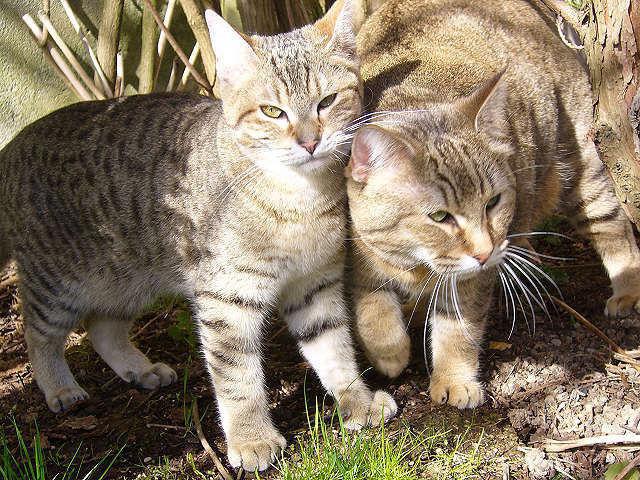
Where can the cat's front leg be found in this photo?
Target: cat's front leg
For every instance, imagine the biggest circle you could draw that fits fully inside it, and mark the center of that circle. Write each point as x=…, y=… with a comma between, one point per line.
x=315, y=312
x=457, y=330
x=231, y=325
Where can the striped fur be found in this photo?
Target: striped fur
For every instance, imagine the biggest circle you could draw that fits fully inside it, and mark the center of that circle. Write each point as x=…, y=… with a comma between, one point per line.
x=106, y=205
x=463, y=133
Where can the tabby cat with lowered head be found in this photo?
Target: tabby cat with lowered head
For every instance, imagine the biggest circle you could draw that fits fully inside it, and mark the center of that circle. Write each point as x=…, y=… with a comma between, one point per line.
x=490, y=134
x=238, y=205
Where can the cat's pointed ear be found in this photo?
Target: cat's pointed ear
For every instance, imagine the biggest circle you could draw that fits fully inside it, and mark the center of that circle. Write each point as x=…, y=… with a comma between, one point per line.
x=235, y=59
x=342, y=23
x=486, y=107
x=372, y=148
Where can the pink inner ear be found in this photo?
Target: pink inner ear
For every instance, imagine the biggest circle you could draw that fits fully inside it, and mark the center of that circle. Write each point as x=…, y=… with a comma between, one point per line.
x=360, y=157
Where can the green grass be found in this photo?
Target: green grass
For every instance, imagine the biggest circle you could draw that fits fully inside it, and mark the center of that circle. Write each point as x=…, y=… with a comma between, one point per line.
x=30, y=462
x=329, y=452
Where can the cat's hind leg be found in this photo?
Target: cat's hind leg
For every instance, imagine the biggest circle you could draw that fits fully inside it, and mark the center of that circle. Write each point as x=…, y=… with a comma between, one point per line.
x=47, y=327
x=316, y=316
x=382, y=330
x=597, y=214
x=110, y=339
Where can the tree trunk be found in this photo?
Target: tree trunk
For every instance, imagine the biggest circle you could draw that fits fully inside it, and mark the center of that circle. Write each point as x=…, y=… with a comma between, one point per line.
x=611, y=40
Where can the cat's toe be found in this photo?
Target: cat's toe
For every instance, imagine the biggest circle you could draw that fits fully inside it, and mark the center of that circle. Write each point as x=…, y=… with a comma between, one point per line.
x=257, y=454
x=620, y=306
x=65, y=398
x=383, y=408
x=159, y=375
x=461, y=394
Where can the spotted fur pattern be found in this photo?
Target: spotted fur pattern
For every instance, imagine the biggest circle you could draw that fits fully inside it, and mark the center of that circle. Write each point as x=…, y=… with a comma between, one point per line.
x=106, y=205
x=490, y=107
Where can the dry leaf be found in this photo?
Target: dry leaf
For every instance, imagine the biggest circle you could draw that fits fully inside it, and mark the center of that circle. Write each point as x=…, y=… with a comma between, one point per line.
x=81, y=423
x=500, y=346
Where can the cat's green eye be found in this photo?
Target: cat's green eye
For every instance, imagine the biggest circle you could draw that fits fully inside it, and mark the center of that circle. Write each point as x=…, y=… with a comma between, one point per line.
x=439, y=216
x=271, y=111
x=326, y=101
x=493, y=202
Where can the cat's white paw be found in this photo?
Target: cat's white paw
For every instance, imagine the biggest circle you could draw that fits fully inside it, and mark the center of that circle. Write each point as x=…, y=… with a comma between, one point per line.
x=362, y=409
x=66, y=397
x=620, y=306
x=456, y=392
x=159, y=375
x=383, y=408
x=256, y=454
x=393, y=359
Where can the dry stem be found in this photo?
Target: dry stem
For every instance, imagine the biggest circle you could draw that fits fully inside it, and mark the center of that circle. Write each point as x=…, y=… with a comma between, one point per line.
x=621, y=352
x=196, y=75
x=555, y=446
x=205, y=444
x=77, y=27
x=70, y=57
x=146, y=68
x=108, y=38
x=54, y=57
x=200, y=31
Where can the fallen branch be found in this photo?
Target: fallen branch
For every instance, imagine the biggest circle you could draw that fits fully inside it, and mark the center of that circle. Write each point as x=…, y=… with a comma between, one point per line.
x=174, y=44
x=555, y=446
x=205, y=444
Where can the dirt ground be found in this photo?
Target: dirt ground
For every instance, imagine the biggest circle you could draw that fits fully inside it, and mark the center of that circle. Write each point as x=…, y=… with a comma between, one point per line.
x=559, y=383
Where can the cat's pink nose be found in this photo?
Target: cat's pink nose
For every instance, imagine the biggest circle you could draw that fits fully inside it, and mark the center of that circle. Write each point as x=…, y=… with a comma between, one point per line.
x=482, y=257
x=310, y=146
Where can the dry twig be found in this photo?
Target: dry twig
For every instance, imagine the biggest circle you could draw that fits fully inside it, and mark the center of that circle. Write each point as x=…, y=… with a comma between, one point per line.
x=54, y=57
x=621, y=352
x=205, y=444
x=70, y=57
x=201, y=32
x=77, y=27
x=556, y=446
x=174, y=44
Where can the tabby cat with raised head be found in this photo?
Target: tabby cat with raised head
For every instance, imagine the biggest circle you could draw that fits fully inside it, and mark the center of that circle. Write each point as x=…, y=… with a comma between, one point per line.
x=238, y=205
x=482, y=130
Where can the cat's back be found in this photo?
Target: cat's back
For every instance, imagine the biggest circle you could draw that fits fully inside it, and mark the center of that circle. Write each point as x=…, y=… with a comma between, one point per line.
x=100, y=147
x=445, y=48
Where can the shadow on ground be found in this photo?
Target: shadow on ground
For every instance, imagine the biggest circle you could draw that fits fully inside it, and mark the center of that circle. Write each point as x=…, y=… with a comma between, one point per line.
x=559, y=383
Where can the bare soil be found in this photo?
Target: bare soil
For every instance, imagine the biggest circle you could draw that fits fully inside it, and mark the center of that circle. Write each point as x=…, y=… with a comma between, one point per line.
x=561, y=382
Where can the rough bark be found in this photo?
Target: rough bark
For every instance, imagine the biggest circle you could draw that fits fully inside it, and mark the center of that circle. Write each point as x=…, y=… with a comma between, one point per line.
x=611, y=40
x=610, y=30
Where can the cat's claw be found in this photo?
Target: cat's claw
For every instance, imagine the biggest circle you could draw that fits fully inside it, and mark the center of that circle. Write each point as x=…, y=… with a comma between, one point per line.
x=256, y=454
x=462, y=394
x=65, y=398
x=620, y=306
